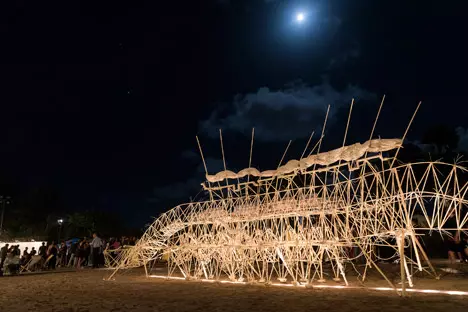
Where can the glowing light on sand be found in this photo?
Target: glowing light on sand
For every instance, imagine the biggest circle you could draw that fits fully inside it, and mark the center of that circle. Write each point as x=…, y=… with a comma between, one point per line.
x=413, y=290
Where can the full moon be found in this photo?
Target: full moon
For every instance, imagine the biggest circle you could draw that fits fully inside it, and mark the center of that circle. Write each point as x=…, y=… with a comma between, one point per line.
x=300, y=17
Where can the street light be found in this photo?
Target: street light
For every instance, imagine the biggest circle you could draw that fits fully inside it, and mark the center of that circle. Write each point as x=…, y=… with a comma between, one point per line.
x=60, y=222
x=4, y=200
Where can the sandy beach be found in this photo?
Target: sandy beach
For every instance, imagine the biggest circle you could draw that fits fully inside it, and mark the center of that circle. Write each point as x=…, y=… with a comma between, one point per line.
x=87, y=290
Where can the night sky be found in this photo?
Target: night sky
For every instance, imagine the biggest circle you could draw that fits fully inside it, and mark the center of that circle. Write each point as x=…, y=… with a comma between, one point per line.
x=102, y=100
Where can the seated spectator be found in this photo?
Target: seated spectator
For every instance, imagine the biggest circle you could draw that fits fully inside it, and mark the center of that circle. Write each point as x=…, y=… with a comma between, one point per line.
x=25, y=257
x=11, y=264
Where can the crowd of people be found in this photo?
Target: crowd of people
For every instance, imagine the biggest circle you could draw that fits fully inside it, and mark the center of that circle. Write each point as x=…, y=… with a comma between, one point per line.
x=72, y=254
x=458, y=248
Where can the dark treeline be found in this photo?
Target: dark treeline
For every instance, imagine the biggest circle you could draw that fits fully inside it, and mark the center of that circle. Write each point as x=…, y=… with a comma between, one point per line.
x=39, y=214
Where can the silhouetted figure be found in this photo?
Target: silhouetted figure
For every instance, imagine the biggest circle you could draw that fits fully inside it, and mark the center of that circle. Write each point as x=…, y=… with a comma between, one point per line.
x=43, y=250
x=62, y=254
x=97, y=246
x=73, y=254
x=3, y=254
x=25, y=257
x=52, y=251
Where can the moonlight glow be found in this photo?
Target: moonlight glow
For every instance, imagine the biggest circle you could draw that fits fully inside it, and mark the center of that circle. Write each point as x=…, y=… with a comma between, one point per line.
x=300, y=17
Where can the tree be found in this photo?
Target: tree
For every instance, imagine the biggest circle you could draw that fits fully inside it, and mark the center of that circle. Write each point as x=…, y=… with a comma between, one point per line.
x=444, y=137
x=87, y=222
x=79, y=224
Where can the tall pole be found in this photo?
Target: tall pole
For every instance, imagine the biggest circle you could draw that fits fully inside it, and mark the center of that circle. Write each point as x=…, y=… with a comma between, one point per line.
x=59, y=230
x=4, y=201
x=3, y=214
x=60, y=222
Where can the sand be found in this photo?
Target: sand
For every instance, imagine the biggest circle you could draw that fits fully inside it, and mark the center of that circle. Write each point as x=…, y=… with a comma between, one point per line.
x=86, y=290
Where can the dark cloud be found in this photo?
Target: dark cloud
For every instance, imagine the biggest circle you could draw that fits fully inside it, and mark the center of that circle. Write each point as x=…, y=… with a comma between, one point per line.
x=277, y=115
x=280, y=115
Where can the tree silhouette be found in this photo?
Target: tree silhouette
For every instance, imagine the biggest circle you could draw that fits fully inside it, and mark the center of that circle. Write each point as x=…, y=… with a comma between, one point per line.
x=444, y=137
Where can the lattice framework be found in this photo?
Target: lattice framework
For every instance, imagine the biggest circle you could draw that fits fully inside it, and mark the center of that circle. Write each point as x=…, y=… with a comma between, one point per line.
x=285, y=224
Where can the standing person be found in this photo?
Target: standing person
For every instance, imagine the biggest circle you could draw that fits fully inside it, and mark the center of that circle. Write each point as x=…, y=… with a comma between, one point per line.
x=465, y=248
x=62, y=254
x=53, y=251
x=43, y=250
x=80, y=254
x=115, y=248
x=96, y=244
x=124, y=241
x=87, y=253
x=3, y=254
x=72, y=251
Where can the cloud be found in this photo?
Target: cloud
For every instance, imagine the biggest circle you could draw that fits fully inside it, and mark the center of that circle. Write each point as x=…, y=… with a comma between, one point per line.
x=284, y=114
x=277, y=115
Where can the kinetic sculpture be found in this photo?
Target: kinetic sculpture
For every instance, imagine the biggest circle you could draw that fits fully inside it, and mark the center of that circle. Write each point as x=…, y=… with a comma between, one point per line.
x=284, y=224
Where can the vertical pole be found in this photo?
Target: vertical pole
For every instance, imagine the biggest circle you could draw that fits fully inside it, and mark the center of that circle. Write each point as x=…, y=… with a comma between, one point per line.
x=404, y=135
x=3, y=213
x=369, y=259
x=426, y=258
x=201, y=153
x=323, y=133
x=284, y=154
x=401, y=250
x=204, y=165
x=251, y=147
x=347, y=124
x=250, y=163
x=146, y=269
x=307, y=145
x=222, y=149
x=59, y=230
